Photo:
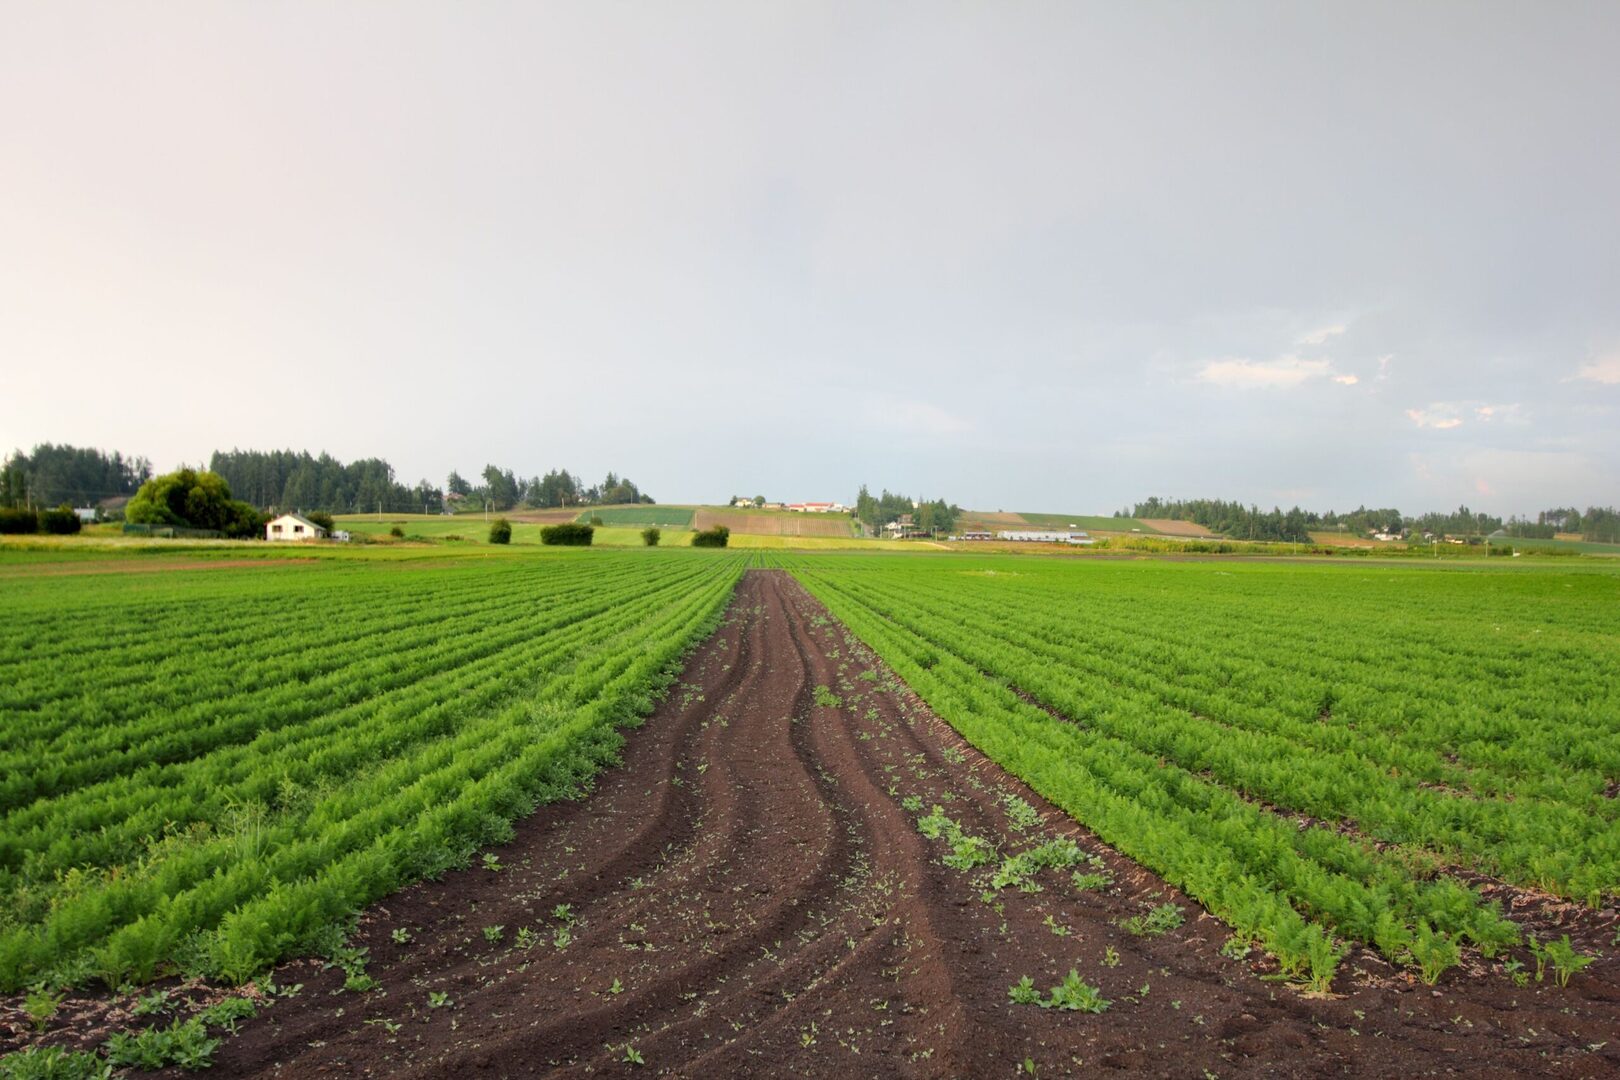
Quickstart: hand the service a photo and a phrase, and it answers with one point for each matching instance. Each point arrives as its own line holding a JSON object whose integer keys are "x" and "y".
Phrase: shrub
{"x": 651, "y": 536}
{"x": 60, "y": 522}
{"x": 596, "y": 519}
{"x": 190, "y": 499}
{"x": 569, "y": 534}
{"x": 500, "y": 531}
{"x": 716, "y": 537}
{"x": 397, "y": 533}
{"x": 323, "y": 519}
{"x": 18, "y": 522}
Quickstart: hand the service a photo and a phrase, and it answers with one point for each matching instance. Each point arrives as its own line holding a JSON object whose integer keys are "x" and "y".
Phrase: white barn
{"x": 293, "y": 527}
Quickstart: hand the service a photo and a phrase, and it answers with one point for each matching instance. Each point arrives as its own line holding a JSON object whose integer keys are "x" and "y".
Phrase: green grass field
{"x": 1584, "y": 547}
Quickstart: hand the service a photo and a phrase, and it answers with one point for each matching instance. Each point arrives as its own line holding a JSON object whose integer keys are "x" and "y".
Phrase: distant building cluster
{"x": 1032, "y": 536}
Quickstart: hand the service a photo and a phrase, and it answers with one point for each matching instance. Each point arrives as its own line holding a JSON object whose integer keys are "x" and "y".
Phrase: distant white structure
{"x": 293, "y": 527}
{"x": 1045, "y": 536}
{"x": 86, "y": 514}
{"x": 818, "y": 508}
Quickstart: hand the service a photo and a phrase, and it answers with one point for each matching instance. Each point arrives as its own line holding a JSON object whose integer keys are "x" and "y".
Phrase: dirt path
{"x": 748, "y": 895}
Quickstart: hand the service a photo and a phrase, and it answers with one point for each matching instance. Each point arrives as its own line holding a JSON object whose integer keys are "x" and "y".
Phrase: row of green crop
{"x": 1272, "y": 757}
{"x": 250, "y": 816}
{"x": 1168, "y": 711}
{"x": 223, "y": 711}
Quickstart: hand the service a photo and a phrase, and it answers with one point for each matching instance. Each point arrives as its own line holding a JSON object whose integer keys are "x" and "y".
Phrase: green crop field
{"x": 1562, "y": 547}
{"x": 1307, "y": 749}
{"x": 666, "y": 517}
{"x": 201, "y": 767}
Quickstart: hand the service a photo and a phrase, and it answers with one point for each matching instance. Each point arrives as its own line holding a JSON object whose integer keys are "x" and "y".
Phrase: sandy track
{"x": 748, "y": 896}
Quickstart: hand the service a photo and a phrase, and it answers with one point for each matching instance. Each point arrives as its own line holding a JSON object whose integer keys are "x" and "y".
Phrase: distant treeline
{"x": 294, "y": 480}
{"x": 1599, "y": 523}
{"x": 51, "y": 475}
{"x": 1240, "y": 522}
{"x": 505, "y": 490}
{"x": 877, "y": 511}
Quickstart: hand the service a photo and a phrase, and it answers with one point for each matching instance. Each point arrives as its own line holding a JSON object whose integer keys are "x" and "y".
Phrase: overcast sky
{"x": 1023, "y": 256}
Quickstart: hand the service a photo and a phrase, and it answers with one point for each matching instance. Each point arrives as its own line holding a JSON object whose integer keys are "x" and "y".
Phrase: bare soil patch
{"x": 749, "y": 895}
{"x": 1171, "y": 527}
{"x": 741, "y": 521}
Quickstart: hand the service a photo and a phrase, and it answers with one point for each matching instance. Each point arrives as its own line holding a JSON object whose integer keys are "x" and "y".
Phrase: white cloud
{"x": 1383, "y": 366}
{"x": 1318, "y": 337}
{"x": 1605, "y": 369}
{"x": 1508, "y": 413}
{"x": 1442, "y": 416}
{"x": 1287, "y": 370}
{"x": 1346, "y": 380}
{"x": 913, "y": 417}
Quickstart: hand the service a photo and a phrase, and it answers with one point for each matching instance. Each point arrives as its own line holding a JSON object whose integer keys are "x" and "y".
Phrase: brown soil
{"x": 747, "y": 896}
{"x": 778, "y": 524}
{"x": 1171, "y": 527}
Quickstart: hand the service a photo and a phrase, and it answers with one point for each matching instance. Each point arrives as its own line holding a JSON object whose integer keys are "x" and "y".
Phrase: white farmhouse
{"x": 293, "y": 527}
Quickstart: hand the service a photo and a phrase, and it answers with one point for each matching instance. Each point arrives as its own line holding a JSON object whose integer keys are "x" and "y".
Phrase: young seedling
{"x": 400, "y": 935}
{"x": 617, "y": 988}
{"x": 1110, "y": 957}
{"x": 40, "y": 1005}
{"x": 1160, "y": 920}
{"x": 1075, "y": 994}
{"x": 1023, "y": 992}
{"x": 150, "y": 1004}
{"x": 493, "y": 934}
{"x": 1565, "y": 960}
{"x": 492, "y": 862}
{"x": 632, "y": 1056}
{"x": 438, "y": 999}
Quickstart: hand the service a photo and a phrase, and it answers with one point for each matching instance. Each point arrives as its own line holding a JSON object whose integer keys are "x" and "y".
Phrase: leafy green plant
{"x": 492, "y": 862}
{"x": 1161, "y": 920}
{"x": 438, "y": 999}
{"x": 494, "y": 934}
{"x": 1023, "y": 992}
{"x": 1566, "y": 961}
{"x": 1110, "y": 957}
{"x": 826, "y": 699}
{"x": 227, "y": 1012}
{"x": 150, "y": 1004}
{"x": 54, "y": 1063}
{"x": 183, "y": 1043}
{"x": 40, "y": 1006}
{"x": 1021, "y": 816}
{"x": 400, "y": 935}
{"x": 1075, "y": 994}
{"x": 1435, "y": 953}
